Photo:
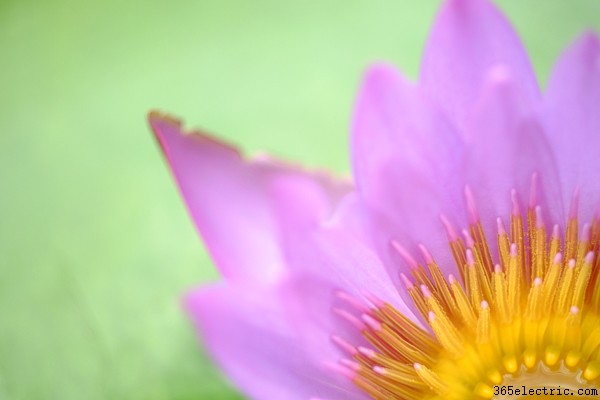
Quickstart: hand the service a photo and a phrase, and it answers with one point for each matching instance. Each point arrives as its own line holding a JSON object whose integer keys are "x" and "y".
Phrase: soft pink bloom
{"x": 308, "y": 260}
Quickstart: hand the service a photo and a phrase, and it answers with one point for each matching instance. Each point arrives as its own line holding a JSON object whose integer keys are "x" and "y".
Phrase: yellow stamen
{"x": 536, "y": 312}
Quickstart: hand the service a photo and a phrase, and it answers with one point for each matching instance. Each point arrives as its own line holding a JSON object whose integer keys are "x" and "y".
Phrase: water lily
{"x": 463, "y": 258}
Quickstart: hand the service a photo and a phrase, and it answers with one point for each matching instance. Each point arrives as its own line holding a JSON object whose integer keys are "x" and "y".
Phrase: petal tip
{"x": 188, "y": 301}
{"x": 156, "y": 117}
{"x": 162, "y": 122}
{"x": 586, "y": 48}
{"x": 198, "y": 299}
{"x": 379, "y": 68}
{"x": 379, "y": 74}
{"x": 466, "y": 8}
{"x": 590, "y": 38}
{"x": 165, "y": 127}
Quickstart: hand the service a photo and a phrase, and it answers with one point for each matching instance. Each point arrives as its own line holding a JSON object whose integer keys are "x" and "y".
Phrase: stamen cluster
{"x": 536, "y": 307}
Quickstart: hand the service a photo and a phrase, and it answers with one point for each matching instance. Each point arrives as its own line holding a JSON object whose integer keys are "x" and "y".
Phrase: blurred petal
{"x": 572, "y": 116}
{"x": 248, "y": 333}
{"x": 468, "y": 38}
{"x": 228, "y": 200}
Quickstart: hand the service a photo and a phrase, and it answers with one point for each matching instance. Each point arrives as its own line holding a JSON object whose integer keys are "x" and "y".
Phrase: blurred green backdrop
{"x": 95, "y": 245}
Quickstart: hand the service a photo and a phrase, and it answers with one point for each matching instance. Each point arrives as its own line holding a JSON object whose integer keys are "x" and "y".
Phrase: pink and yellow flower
{"x": 333, "y": 290}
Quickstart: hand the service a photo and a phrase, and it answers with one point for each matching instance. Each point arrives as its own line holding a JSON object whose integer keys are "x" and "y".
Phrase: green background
{"x": 95, "y": 245}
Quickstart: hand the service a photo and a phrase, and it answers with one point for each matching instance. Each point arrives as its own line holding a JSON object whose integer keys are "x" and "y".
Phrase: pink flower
{"x": 338, "y": 292}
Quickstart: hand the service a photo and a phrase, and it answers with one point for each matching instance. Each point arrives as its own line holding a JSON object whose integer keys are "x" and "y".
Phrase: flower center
{"x": 529, "y": 322}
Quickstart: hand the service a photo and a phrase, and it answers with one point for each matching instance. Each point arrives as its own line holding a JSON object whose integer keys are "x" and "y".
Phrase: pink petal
{"x": 229, "y": 202}
{"x": 406, "y": 158}
{"x": 506, "y": 147}
{"x": 572, "y": 116}
{"x": 468, "y": 38}
{"x": 249, "y": 334}
{"x": 346, "y": 264}
{"x": 336, "y": 254}
{"x": 330, "y": 249}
